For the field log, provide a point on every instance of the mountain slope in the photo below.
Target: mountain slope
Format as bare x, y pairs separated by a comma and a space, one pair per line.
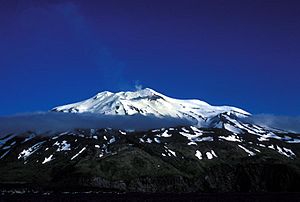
181, 159
148, 102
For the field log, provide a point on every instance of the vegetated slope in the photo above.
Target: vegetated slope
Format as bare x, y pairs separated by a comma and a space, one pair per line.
181, 159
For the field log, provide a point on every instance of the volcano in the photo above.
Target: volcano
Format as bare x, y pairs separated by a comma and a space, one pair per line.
216, 151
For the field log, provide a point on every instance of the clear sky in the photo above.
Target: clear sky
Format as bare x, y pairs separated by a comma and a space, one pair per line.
241, 53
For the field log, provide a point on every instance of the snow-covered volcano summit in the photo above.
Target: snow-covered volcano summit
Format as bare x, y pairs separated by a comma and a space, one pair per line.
149, 102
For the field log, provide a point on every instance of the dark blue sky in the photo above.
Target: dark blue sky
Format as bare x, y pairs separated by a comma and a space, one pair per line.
240, 53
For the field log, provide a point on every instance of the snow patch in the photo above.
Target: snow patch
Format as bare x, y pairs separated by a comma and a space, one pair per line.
231, 138
232, 128
209, 155
165, 134
250, 153
286, 152
149, 140
157, 140
261, 145
123, 133
84, 148
213, 153
172, 152
185, 130
28, 138
27, 152
271, 147
50, 158
169, 151
63, 146
198, 154
5, 153
189, 136
205, 139
294, 141
112, 140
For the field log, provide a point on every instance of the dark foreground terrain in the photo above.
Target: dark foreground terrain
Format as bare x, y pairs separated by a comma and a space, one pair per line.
173, 160
209, 197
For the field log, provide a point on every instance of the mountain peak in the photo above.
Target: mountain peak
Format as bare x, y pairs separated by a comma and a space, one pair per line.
149, 90
148, 102
136, 93
141, 92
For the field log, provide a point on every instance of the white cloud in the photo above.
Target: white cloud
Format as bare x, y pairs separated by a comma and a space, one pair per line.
56, 121
138, 86
288, 123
